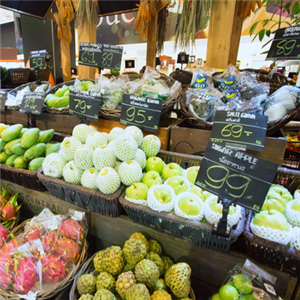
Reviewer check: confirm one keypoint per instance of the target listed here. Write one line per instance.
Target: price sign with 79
(81, 105)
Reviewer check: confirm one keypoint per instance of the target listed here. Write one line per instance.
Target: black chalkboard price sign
(236, 175)
(37, 59)
(84, 104)
(240, 130)
(286, 44)
(142, 112)
(32, 103)
(100, 56)
(3, 96)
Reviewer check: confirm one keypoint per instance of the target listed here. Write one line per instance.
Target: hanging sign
(37, 59)
(84, 104)
(235, 174)
(32, 103)
(142, 112)
(240, 130)
(286, 44)
(100, 56)
(3, 96)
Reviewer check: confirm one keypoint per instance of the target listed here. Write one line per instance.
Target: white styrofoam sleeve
(155, 204)
(292, 216)
(140, 202)
(295, 241)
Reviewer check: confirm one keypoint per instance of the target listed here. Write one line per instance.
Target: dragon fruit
(9, 210)
(67, 249)
(72, 229)
(54, 269)
(6, 269)
(3, 236)
(25, 274)
(4, 197)
(49, 241)
(34, 233)
(9, 246)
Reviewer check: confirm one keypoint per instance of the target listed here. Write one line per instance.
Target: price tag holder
(37, 59)
(100, 56)
(32, 103)
(286, 44)
(3, 96)
(142, 112)
(240, 130)
(84, 104)
(236, 175)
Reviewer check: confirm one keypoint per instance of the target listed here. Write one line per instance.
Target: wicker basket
(87, 268)
(51, 292)
(271, 253)
(23, 177)
(18, 75)
(92, 200)
(185, 77)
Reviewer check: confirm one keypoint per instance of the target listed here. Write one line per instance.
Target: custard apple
(81, 132)
(128, 267)
(147, 272)
(108, 180)
(86, 284)
(88, 178)
(68, 147)
(130, 172)
(160, 285)
(53, 165)
(125, 147)
(151, 145)
(140, 236)
(72, 173)
(124, 282)
(157, 260)
(86, 297)
(104, 294)
(168, 263)
(155, 246)
(161, 295)
(96, 139)
(138, 292)
(134, 251)
(106, 281)
(84, 157)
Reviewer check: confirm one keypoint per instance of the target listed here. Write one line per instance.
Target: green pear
(282, 191)
(137, 191)
(162, 195)
(272, 218)
(189, 206)
(274, 204)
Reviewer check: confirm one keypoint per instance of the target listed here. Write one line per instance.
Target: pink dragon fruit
(25, 274)
(3, 236)
(72, 229)
(6, 269)
(54, 269)
(49, 241)
(9, 246)
(67, 249)
(34, 233)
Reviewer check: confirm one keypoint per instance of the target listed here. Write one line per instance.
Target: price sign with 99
(141, 111)
(37, 59)
(237, 175)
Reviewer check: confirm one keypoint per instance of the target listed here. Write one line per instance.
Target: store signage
(240, 130)
(32, 103)
(3, 96)
(142, 112)
(100, 56)
(84, 104)
(236, 175)
(37, 59)
(286, 44)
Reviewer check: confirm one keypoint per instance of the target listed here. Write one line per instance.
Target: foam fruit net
(155, 204)
(292, 216)
(139, 202)
(295, 242)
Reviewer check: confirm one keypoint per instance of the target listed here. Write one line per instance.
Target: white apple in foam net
(137, 191)
(179, 184)
(296, 205)
(154, 163)
(171, 170)
(151, 178)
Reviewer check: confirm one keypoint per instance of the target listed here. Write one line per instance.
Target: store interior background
(21, 34)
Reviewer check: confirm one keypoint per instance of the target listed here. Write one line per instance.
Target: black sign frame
(32, 103)
(38, 58)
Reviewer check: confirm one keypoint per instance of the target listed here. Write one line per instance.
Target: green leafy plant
(291, 8)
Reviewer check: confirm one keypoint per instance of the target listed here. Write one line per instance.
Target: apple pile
(169, 188)
(279, 217)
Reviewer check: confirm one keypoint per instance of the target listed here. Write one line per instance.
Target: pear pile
(138, 271)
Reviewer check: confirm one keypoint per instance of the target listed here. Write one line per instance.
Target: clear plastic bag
(228, 79)
(201, 78)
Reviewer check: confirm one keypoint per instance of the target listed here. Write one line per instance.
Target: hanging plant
(86, 13)
(194, 17)
(248, 6)
(161, 29)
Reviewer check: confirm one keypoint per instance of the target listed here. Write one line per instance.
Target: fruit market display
(44, 255)
(138, 271)
(25, 148)
(8, 210)
(279, 219)
(60, 98)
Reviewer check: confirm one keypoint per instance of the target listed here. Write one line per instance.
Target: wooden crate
(163, 132)
(194, 141)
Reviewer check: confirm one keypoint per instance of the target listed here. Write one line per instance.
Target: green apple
(247, 297)
(228, 292)
(273, 195)
(282, 191)
(171, 170)
(296, 205)
(192, 174)
(218, 207)
(189, 206)
(162, 195)
(274, 204)
(273, 219)
(154, 163)
(197, 191)
(178, 184)
(216, 297)
(137, 191)
(151, 178)
(242, 283)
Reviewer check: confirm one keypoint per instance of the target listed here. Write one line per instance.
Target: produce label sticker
(235, 174)
(37, 59)
(3, 96)
(32, 103)
(100, 56)
(142, 112)
(240, 130)
(286, 44)
(84, 104)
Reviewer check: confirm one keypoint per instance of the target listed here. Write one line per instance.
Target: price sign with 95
(37, 59)
(84, 104)
(236, 174)
(141, 111)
